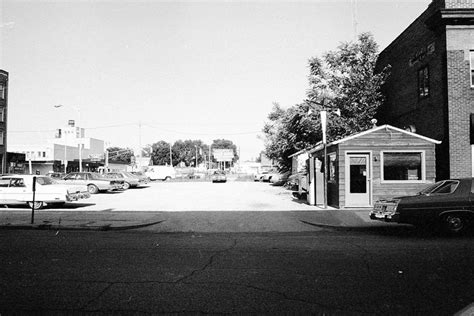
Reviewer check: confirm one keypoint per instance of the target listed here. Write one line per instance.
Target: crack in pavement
(180, 280)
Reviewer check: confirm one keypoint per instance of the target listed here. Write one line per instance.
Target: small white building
(64, 152)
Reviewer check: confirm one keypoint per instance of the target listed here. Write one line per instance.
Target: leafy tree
(160, 154)
(346, 80)
(185, 151)
(120, 155)
(343, 79)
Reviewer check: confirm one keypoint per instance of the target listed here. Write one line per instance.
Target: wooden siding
(375, 143)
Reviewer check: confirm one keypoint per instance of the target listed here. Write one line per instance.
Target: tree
(346, 80)
(185, 151)
(160, 154)
(289, 131)
(343, 79)
(121, 155)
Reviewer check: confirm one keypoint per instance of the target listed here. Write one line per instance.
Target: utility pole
(354, 17)
(171, 157)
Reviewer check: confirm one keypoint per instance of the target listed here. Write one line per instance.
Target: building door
(358, 188)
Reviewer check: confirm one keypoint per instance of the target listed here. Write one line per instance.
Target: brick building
(431, 86)
(3, 119)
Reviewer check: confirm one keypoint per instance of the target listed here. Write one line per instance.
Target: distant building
(63, 152)
(3, 119)
(431, 86)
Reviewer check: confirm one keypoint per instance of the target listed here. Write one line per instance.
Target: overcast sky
(181, 69)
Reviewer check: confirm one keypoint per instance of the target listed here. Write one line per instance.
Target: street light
(78, 110)
(325, 94)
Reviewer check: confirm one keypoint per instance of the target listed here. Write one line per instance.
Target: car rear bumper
(385, 216)
(78, 196)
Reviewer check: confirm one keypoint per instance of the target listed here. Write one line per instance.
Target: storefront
(382, 162)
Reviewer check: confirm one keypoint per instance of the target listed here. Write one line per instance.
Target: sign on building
(222, 154)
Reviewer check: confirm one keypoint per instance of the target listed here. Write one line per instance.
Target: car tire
(454, 223)
(93, 189)
(167, 178)
(126, 186)
(38, 205)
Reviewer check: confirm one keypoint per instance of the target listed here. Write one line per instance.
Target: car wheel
(92, 189)
(167, 179)
(37, 205)
(126, 186)
(454, 223)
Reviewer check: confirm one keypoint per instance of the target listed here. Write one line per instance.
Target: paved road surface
(376, 272)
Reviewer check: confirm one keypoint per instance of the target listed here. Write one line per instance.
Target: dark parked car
(219, 176)
(448, 204)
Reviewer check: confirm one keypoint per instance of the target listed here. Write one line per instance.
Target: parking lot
(193, 196)
(198, 196)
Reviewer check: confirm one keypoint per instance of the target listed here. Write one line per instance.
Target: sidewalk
(192, 221)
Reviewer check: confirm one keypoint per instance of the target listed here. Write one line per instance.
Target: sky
(136, 72)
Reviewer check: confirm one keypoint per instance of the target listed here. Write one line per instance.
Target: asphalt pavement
(190, 221)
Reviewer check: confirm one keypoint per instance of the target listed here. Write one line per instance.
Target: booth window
(402, 166)
(3, 88)
(331, 168)
(471, 58)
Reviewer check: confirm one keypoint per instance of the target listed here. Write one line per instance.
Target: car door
(18, 190)
(70, 178)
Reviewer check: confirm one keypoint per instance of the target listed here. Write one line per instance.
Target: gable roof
(386, 127)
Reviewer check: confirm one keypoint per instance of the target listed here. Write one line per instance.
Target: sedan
(95, 182)
(448, 204)
(219, 176)
(129, 180)
(18, 189)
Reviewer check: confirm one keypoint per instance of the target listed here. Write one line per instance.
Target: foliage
(346, 80)
(185, 151)
(120, 155)
(343, 79)
(160, 153)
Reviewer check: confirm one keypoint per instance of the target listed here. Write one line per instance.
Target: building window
(2, 91)
(1, 138)
(471, 58)
(423, 82)
(331, 161)
(402, 166)
(2, 115)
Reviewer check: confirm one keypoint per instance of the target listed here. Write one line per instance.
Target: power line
(200, 133)
(141, 124)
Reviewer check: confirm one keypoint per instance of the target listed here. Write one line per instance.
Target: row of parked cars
(55, 188)
(273, 176)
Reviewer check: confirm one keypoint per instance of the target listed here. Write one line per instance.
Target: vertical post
(196, 165)
(171, 157)
(33, 203)
(209, 156)
(323, 127)
(65, 152)
(80, 157)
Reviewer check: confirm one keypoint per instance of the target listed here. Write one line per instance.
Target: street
(377, 271)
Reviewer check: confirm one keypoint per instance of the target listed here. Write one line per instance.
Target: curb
(105, 227)
(350, 228)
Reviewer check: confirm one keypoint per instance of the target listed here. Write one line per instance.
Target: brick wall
(459, 110)
(415, 48)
